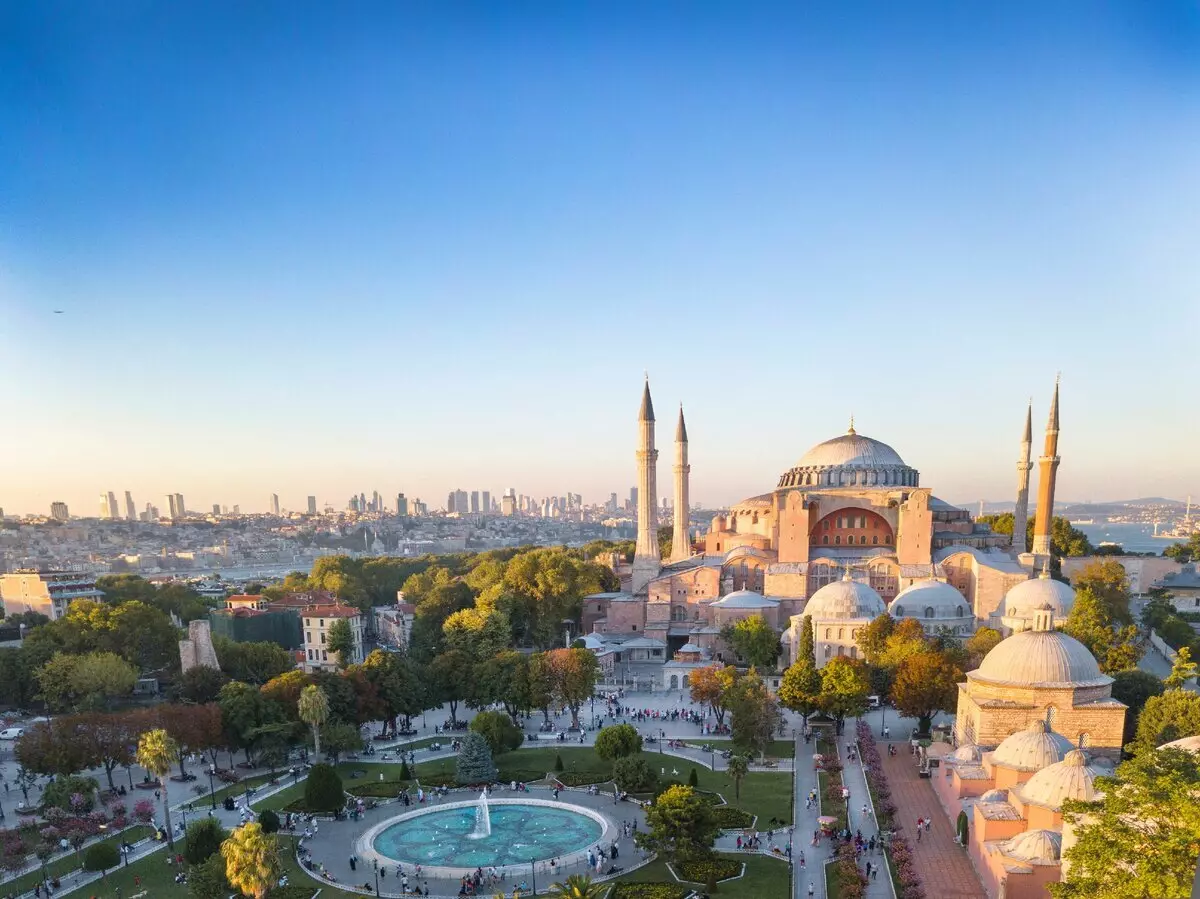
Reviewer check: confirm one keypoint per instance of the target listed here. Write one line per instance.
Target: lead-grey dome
(1072, 778)
(851, 460)
(1028, 596)
(844, 600)
(1040, 658)
(745, 599)
(918, 599)
(1032, 749)
(851, 450)
(1039, 847)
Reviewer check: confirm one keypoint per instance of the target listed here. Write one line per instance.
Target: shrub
(323, 790)
(582, 778)
(378, 789)
(730, 818)
(474, 764)
(558, 763)
(499, 731)
(634, 774)
(405, 774)
(618, 741)
(693, 779)
(143, 811)
(269, 821)
(203, 840)
(74, 793)
(706, 870)
(649, 891)
(963, 827)
(101, 857)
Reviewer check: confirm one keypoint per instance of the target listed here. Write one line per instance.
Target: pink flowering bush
(143, 811)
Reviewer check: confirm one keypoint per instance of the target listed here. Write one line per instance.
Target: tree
(755, 714)
(313, 708)
(634, 773)
(252, 862)
(156, 751)
(74, 794)
(504, 678)
(450, 677)
(800, 688)
(617, 742)
(1134, 688)
(323, 790)
(711, 685)
(252, 663)
(340, 640)
(1166, 718)
(269, 821)
(101, 857)
(753, 640)
(499, 731)
(1185, 552)
(926, 684)
(1065, 540)
(872, 639)
(1140, 838)
(844, 688)
(397, 685)
(679, 825)
(244, 712)
(572, 677)
(201, 684)
(17, 683)
(1183, 669)
(475, 765)
(1115, 648)
(208, 881)
(1107, 581)
(578, 886)
(341, 737)
(739, 767)
(203, 840)
(981, 643)
(84, 682)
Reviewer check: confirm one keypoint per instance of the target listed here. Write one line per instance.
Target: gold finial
(851, 431)
(1045, 568)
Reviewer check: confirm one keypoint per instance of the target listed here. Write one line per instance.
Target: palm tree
(314, 711)
(251, 860)
(578, 886)
(739, 767)
(156, 751)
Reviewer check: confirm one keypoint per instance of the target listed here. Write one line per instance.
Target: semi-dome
(1036, 846)
(1072, 778)
(1031, 749)
(1029, 596)
(844, 600)
(994, 796)
(967, 752)
(851, 460)
(1040, 658)
(919, 599)
(745, 599)
(1189, 744)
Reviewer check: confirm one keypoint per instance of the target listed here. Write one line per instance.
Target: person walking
(811, 888)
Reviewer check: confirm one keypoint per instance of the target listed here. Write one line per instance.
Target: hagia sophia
(848, 533)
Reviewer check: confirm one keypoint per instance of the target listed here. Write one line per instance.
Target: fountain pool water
(517, 832)
(483, 820)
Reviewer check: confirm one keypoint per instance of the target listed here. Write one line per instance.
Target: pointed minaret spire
(1021, 512)
(646, 560)
(1048, 470)
(681, 541)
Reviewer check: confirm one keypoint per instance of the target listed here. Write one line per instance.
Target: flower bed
(851, 881)
(700, 871)
(649, 891)
(730, 818)
(897, 850)
(378, 789)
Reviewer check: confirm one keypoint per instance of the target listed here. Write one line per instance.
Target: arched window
(875, 540)
(854, 634)
(825, 539)
(828, 633)
(929, 613)
(887, 539)
(962, 612)
(837, 541)
(841, 633)
(899, 610)
(854, 652)
(828, 650)
(841, 650)
(863, 539)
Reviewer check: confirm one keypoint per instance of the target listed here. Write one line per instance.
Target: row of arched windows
(837, 540)
(842, 477)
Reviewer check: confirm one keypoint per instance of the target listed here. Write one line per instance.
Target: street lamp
(662, 736)
(533, 869)
(212, 769)
(1, 813)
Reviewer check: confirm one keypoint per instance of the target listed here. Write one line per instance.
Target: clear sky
(321, 248)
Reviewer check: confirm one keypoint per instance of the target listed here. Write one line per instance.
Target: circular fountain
(456, 838)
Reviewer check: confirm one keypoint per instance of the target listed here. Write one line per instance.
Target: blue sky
(318, 248)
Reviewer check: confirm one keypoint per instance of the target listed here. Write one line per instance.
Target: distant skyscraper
(376, 501)
(130, 508)
(114, 511)
(362, 502)
(508, 504)
(274, 503)
(354, 504)
(104, 505)
(485, 503)
(58, 511)
(172, 511)
(474, 502)
(401, 505)
(237, 510)
(612, 503)
(633, 498)
(180, 508)
(312, 505)
(462, 502)
(216, 508)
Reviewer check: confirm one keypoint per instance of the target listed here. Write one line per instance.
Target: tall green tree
(618, 741)
(755, 714)
(474, 764)
(1116, 647)
(1108, 582)
(1140, 840)
(680, 825)
(449, 677)
(340, 640)
(754, 640)
(710, 686)
(1065, 540)
(156, 750)
(313, 709)
(1134, 688)
(980, 643)
(572, 676)
(925, 684)
(844, 688)
(88, 682)
(1166, 718)
(252, 863)
(1183, 669)
(739, 767)
(504, 678)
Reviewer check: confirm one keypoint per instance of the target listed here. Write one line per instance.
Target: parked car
(11, 733)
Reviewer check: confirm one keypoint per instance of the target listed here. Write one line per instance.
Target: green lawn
(237, 789)
(765, 878)
(59, 867)
(776, 749)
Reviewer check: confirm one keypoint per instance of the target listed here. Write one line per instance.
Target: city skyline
(447, 254)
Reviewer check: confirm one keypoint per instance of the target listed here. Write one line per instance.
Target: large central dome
(851, 460)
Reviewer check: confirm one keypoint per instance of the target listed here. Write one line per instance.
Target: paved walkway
(943, 865)
(853, 777)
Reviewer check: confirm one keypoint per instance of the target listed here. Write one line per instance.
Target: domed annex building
(851, 517)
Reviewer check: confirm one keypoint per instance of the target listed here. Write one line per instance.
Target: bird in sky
(58, 312)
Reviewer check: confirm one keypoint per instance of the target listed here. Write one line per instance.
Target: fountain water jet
(483, 819)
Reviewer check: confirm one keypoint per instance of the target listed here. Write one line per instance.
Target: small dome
(1040, 658)
(1036, 593)
(689, 647)
(1035, 846)
(1031, 749)
(1072, 778)
(851, 450)
(844, 600)
(967, 752)
(915, 601)
(745, 599)
(994, 796)
(1190, 744)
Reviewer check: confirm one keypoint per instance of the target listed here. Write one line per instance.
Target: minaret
(646, 560)
(1021, 514)
(1048, 470)
(681, 543)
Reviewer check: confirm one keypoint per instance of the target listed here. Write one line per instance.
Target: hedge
(649, 891)
(716, 868)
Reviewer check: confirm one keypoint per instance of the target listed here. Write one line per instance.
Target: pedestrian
(868, 869)
(866, 811)
(875, 872)
(353, 863)
(918, 834)
(811, 889)
(928, 822)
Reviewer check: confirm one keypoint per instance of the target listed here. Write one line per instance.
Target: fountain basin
(442, 839)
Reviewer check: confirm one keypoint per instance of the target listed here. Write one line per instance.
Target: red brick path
(944, 866)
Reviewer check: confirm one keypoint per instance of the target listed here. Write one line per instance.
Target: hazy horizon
(302, 249)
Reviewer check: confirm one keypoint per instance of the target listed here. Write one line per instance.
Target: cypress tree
(475, 765)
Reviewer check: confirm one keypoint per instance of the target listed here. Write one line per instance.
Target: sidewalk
(879, 886)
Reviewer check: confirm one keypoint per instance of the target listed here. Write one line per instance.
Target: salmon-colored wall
(858, 527)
